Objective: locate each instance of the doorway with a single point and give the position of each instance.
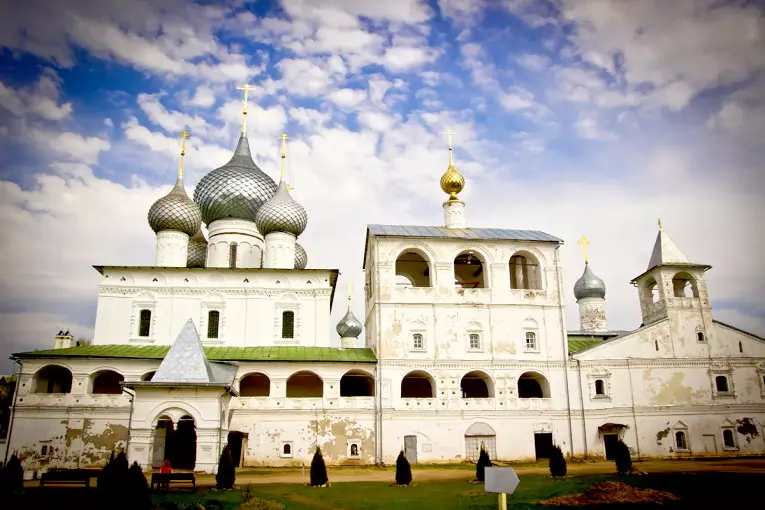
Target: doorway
(610, 441)
(543, 443)
(177, 444)
(236, 443)
(410, 449)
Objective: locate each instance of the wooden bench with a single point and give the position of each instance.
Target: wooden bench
(68, 476)
(162, 481)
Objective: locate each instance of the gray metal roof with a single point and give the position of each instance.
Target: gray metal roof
(460, 233)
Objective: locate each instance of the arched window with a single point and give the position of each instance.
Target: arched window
(418, 384)
(600, 387)
(680, 441)
(53, 379)
(412, 270)
(287, 450)
(729, 440)
(305, 384)
(683, 281)
(721, 382)
(288, 324)
(148, 376)
(700, 336)
(232, 256)
(255, 385)
(533, 385)
(144, 324)
(651, 291)
(213, 323)
(357, 383)
(476, 384)
(107, 382)
(469, 271)
(525, 272)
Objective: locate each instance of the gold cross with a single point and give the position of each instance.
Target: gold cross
(661, 229)
(183, 136)
(283, 137)
(584, 242)
(348, 285)
(449, 134)
(289, 188)
(246, 87)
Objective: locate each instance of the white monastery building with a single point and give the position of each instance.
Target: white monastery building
(226, 339)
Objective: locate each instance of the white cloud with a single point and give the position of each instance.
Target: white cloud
(463, 13)
(40, 100)
(174, 122)
(76, 147)
(347, 99)
(398, 59)
(302, 77)
(203, 96)
(533, 62)
(589, 127)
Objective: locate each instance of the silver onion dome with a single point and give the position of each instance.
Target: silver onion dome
(175, 211)
(197, 252)
(589, 285)
(281, 214)
(301, 257)
(349, 326)
(236, 190)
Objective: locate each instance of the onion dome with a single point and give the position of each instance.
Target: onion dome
(452, 182)
(197, 252)
(175, 211)
(236, 190)
(281, 214)
(589, 285)
(349, 326)
(301, 257)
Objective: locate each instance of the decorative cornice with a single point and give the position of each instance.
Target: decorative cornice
(185, 291)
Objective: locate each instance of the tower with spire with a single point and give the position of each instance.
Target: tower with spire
(174, 218)
(590, 293)
(452, 182)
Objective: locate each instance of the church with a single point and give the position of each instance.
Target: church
(227, 339)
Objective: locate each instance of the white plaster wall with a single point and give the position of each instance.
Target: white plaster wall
(172, 248)
(251, 303)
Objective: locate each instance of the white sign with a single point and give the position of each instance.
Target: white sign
(501, 480)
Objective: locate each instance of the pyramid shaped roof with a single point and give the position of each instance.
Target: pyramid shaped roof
(186, 361)
(665, 251)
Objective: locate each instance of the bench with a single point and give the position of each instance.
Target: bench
(68, 476)
(162, 481)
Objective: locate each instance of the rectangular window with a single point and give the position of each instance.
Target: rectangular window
(288, 324)
(729, 439)
(721, 383)
(680, 441)
(475, 341)
(417, 342)
(600, 388)
(213, 322)
(232, 256)
(531, 341)
(144, 326)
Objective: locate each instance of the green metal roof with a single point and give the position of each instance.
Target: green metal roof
(280, 353)
(575, 346)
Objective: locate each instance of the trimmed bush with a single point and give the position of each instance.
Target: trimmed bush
(138, 489)
(12, 477)
(318, 469)
(226, 475)
(113, 483)
(622, 458)
(483, 462)
(557, 462)
(403, 470)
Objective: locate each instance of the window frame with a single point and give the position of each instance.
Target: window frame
(722, 371)
(217, 324)
(602, 392)
(141, 322)
(676, 434)
(732, 431)
(284, 323)
(291, 446)
(421, 338)
(471, 335)
(350, 444)
(534, 347)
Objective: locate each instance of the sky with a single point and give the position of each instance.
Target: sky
(574, 117)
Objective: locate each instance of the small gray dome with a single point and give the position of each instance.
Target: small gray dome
(175, 211)
(301, 257)
(236, 190)
(589, 285)
(349, 326)
(281, 214)
(197, 252)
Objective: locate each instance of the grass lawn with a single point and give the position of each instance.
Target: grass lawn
(703, 490)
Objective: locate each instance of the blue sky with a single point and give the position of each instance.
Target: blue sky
(574, 117)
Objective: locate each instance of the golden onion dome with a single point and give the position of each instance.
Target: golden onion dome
(452, 182)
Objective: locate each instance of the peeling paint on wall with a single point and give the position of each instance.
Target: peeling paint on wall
(747, 428)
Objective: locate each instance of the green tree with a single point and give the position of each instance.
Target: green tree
(557, 462)
(403, 470)
(138, 489)
(622, 458)
(483, 462)
(318, 469)
(11, 477)
(226, 475)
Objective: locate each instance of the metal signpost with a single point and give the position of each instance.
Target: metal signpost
(503, 481)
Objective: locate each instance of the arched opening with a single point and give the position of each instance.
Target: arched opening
(533, 385)
(525, 271)
(700, 336)
(418, 384)
(148, 376)
(480, 435)
(680, 442)
(106, 382)
(600, 387)
(305, 384)
(403, 282)
(721, 383)
(175, 443)
(53, 379)
(213, 323)
(681, 282)
(144, 323)
(357, 383)
(651, 291)
(729, 440)
(255, 385)
(476, 384)
(414, 268)
(469, 271)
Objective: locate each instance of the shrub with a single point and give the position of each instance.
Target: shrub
(261, 504)
(557, 462)
(12, 477)
(403, 470)
(138, 489)
(226, 475)
(622, 458)
(483, 462)
(318, 469)
(113, 483)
